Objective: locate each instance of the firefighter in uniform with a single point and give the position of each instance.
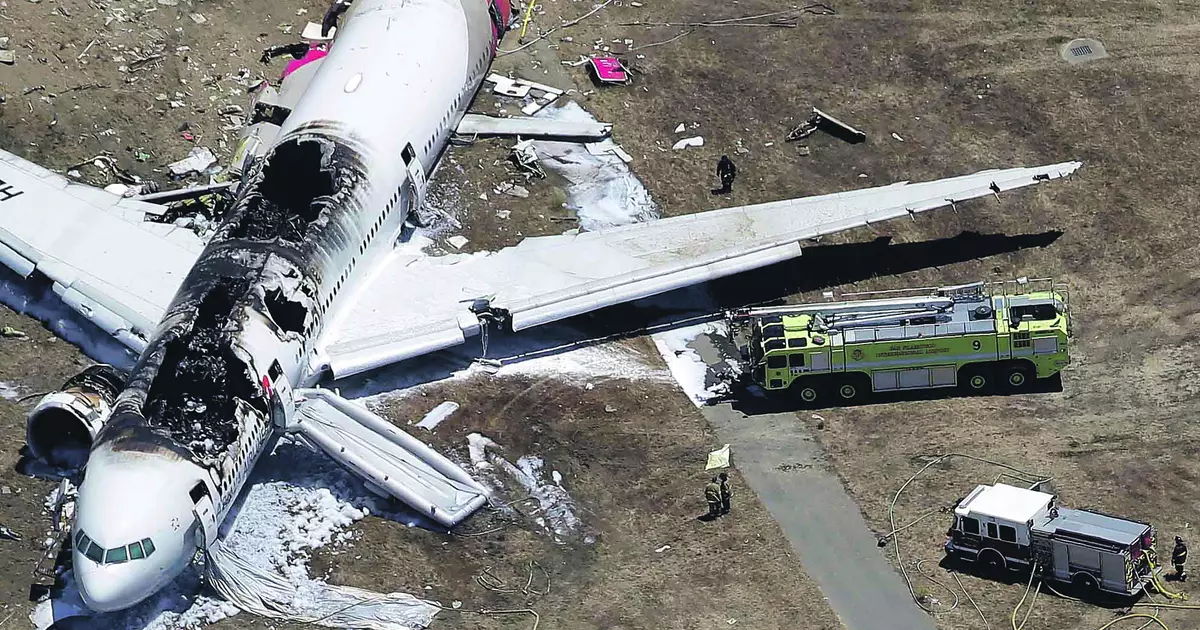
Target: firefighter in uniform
(712, 494)
(726, 495)
(1178, 558)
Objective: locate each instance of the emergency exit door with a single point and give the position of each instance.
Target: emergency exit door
(416, 179)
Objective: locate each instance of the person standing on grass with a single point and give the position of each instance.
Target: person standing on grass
(1179, 558)
(727, 171)
(726, 494)
(712, 494)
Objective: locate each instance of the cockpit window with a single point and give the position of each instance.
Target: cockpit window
(95, 552)
(116, 556)
(134, 551)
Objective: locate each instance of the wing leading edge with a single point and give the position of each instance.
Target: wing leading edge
(546, 279)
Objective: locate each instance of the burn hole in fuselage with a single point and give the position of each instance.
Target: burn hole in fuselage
(297, 182)
(286, 314)
(194, 394)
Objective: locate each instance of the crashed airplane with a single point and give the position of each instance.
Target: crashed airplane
(235, 333)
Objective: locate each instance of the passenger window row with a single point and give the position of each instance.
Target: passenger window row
(133, 551)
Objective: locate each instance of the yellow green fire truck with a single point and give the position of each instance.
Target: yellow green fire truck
(974, 336)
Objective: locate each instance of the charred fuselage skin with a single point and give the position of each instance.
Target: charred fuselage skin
(311, 217)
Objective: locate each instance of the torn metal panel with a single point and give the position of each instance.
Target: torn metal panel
(828, 124)
(534, 128)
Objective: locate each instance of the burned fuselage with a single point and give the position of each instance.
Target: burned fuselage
(250, 306)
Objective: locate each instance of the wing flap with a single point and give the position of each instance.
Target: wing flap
(534, 128)
(546, 279)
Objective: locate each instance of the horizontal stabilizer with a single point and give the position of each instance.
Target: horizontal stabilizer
(391, 461)
(534, 128)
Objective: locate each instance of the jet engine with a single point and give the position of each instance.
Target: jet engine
(60, 429)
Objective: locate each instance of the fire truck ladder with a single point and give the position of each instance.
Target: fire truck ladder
(938, 303)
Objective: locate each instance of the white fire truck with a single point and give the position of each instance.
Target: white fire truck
(1010, 528)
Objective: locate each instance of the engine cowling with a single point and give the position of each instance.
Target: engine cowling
(62, 426)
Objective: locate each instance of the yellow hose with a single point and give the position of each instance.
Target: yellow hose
(528, 16)
(1156, 580)
(1013, 617)
(1152, 618)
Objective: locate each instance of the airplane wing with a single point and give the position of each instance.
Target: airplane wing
(105, 260)
(418, 304)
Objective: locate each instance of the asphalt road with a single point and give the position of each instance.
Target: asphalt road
(785, 466)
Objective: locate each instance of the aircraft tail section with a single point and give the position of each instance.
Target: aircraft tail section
(389, 460)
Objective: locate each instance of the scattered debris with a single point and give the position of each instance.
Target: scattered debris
(828, 124)
(608, 70)
(718, 458)
(694, 141)
(607, 146)
(680, 128)
(662, 549)
(610, 409)
(437, 415)
(897, 136)
(8, 534)
(1079, 51)
(9, 332)
(525, 157)
(541, 95)
(8, 57)
(457, 242)
(198, 19)
(513, 190)
(199, 160)
(312, 33)
(803, 150)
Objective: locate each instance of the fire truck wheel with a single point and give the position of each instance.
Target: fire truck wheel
(848, 391)
(993, 561)
(1085, 581)
(1017, 377)
(807, 391)
(975, 379)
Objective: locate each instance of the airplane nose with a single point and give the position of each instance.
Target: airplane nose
(106, 591)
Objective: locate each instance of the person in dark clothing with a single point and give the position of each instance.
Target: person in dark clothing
(331, 16)
(295, 51)
(712, 494)
(726, 494)
(727, 171)
(1178, 558)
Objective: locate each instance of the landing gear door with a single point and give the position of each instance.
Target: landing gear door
(205, 511)
(415, 190)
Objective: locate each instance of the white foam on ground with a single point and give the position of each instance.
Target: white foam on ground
(437, 415)
(602, 189)
(555, 512)
(8, 391)
(686, 366)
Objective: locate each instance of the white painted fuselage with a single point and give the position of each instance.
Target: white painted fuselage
(372, 122)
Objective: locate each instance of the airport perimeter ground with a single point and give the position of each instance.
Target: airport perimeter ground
(967, 85)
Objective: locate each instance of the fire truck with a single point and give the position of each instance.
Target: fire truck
(974, 336)
(1014, 529)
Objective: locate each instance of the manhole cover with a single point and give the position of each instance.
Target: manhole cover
(1083, 51)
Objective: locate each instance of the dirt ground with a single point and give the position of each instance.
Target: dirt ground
(967, 85)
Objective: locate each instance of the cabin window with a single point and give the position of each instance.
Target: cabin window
(798, 342)
(1008, 534)
(116, 556)
(992, 530)
(148, 545)
(199, 491)
(970, 525)
(776, 362)
(796, 360)
(1038, 312)
(81, 540)
(135, 551)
